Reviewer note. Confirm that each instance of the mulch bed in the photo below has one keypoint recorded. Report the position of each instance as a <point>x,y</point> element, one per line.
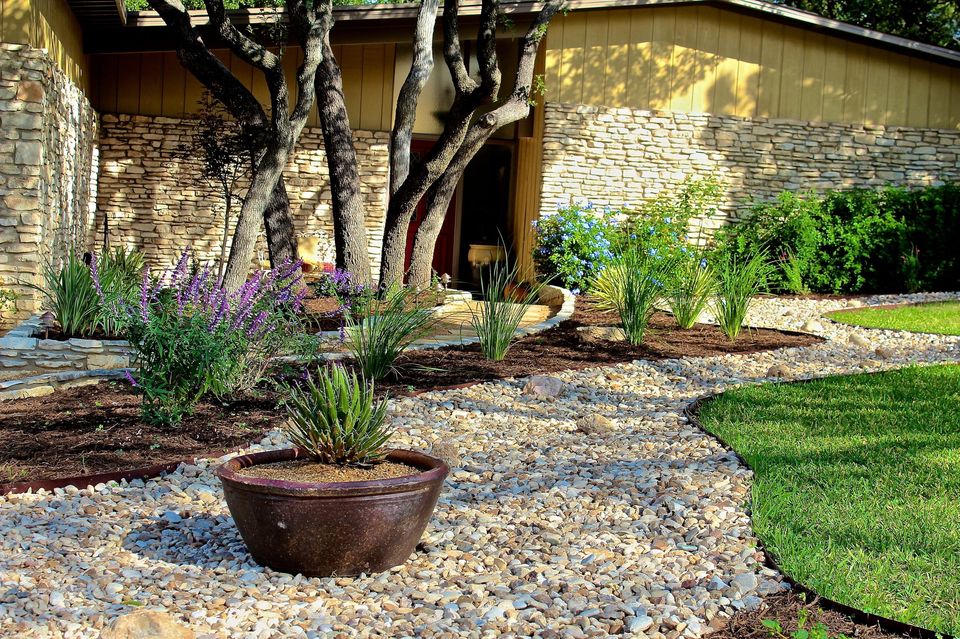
<point>97,429</point>
<point>563,348</point>
<point>786,608</point>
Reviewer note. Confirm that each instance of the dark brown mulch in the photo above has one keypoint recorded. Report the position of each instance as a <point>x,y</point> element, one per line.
<point>562,348</point>
<point>786,608</point>
<point>97,429</point>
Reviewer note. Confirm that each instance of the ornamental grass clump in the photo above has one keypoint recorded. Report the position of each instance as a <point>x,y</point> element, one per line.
<point>336,418</point>
<point>378,329</point>
<point>738,282</point>
<point>635,285</point>
<point>496,320</point>
<point>190,336</point>
<point>691,290</point>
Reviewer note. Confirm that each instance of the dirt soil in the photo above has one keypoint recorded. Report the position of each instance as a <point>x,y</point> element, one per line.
<point>308,471</point>
<point>563,347</point>
<point>786,608</point>
<point>97,429</point>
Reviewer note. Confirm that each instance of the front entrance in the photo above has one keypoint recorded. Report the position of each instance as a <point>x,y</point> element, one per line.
<point>443,251</point>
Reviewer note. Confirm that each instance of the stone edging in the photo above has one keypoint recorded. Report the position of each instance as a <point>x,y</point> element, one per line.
<point>24,354</point>
<point>45,384</point>
<point>692,413</point>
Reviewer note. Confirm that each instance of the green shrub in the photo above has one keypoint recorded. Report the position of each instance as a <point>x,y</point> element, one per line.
<point>738,282</point>
<point>635,283</point>
<point>497,319</point>
<point>7,297</point>
<point>574,244</point>
<point>690,291</point>
<point>663,224</point>
<point>378,329</point>
<point>336,418</point>
<point>887,240</point>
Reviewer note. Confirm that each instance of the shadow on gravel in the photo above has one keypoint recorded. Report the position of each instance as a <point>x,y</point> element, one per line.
<point>197,539</point>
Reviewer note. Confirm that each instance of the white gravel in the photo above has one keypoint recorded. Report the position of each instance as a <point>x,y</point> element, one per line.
<point>543,530</point>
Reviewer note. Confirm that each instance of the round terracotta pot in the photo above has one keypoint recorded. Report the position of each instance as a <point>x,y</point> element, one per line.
<point>337,528</point>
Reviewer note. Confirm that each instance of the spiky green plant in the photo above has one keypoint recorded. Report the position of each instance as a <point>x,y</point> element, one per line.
<point>606,286</point>
<point>792,268</point>
<point>496,320</point>
<point>72,296</point>
<point>691,290</point>
<point>738,282</point>
<point>636,283</point>
<point>335,417</point>
<point>378,329</point>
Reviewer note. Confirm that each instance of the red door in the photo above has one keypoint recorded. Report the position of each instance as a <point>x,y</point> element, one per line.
<point>443,252</point>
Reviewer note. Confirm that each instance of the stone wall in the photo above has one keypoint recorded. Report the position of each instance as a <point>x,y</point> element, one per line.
<point>622,157</point>
<point>150,197</point>
<point>47,158</point>
<point>24,352</point>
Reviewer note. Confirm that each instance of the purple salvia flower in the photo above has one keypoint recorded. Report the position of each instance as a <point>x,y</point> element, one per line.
<point>181,267</point>
<point>133,382</point>
<point>221,312</point>
<point>95,276</point>
<point>144,295</point>
<point>257,323</point>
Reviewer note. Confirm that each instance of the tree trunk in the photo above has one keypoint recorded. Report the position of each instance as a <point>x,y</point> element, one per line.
<point>278,222</point>
<point>349,223</point>
<point>425,240</point>
<point>261,191</point>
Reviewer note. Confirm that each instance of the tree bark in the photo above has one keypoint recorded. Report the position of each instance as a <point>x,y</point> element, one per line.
<point>515,107</point>
<point>278,223</point>
<point>349,219</point>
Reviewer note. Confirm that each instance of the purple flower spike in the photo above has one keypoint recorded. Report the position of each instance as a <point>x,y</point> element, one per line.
<point>130,378</point>
<point>95,275</point>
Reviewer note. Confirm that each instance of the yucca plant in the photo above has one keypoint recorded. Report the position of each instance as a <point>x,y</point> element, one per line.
<point>738,281</point>
<point>636,283</point>
<point>496,319</point>
<point>378,329</point>
<point>691,290</point>
<point>335,417</point>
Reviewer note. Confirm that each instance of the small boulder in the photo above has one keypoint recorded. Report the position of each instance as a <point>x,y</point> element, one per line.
<point>811,326</point>
<point>778,370</point>
<point>601,333</point>
<point>447,451</point>
<point>542,386</point>
<point>146,624</point>
<point>884,352</point>
<point>745,583</point>
<point>859,341</point>
<point>854,303</point>
<point>639,623</point>
<point>595,425</point>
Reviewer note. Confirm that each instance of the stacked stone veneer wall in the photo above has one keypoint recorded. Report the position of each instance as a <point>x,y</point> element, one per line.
<point>150,198</point>
<point>47,161</point>
<point>622,157</point>
<point>24,353</point>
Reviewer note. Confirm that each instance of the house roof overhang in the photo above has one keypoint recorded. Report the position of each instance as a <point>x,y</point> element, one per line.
<point>99,14</point>
<point>144,30</point>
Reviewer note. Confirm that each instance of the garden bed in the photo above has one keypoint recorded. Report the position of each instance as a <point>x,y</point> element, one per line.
<point>563,347</point>
<point>98,429</point>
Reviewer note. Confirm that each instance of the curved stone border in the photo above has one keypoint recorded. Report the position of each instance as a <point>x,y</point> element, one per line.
<point>40,385</point>
<point>692,413</point>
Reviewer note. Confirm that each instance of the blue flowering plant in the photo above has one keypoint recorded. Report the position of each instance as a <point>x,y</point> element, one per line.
<point>575,244</point>
<point>191,336</point>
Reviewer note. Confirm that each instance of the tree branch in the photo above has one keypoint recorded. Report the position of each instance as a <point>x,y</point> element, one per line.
<point>251,52</point>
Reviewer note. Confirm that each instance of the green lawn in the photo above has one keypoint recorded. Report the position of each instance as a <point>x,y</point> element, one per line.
<point>932,317</point>
<point>857,488</point>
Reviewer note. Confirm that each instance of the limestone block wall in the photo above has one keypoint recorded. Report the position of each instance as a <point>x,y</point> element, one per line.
<point>48,133</point>
<point>622,156</point>
<point>150,197</point>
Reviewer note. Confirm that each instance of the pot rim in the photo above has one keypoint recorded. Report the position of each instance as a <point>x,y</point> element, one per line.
<point>433,470</point>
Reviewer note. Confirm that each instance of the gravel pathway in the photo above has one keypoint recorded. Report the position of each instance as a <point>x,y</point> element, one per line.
<point>637,528</point>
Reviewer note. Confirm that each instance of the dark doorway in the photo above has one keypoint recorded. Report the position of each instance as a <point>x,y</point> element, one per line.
<point>485,211</point>
<point>443,251</point>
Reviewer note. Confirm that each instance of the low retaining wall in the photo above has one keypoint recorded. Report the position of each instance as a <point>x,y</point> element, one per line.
<point>23,354</point>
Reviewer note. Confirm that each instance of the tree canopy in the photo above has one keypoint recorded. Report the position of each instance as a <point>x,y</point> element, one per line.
<point>930,21</point>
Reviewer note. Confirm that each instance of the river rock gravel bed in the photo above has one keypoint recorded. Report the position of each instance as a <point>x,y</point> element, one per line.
<point>635,526</point>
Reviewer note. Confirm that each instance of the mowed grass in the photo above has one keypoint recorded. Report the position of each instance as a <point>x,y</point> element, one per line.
<point>932,317</point>
<point>857,487</point>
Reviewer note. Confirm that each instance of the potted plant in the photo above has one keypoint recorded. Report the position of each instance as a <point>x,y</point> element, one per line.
<point>339,503</point>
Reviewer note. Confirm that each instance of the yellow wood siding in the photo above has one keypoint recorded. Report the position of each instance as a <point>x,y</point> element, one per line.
<point>703,59</point>
<point>50,25</point>
<point>171,91</point>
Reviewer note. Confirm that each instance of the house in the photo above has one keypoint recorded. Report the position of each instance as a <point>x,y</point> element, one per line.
<point>638,95</point>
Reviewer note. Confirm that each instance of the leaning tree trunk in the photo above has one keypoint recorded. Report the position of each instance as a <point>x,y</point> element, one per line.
<point>425,240</point>
<point>278,222</point>
<point>349,227</point>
